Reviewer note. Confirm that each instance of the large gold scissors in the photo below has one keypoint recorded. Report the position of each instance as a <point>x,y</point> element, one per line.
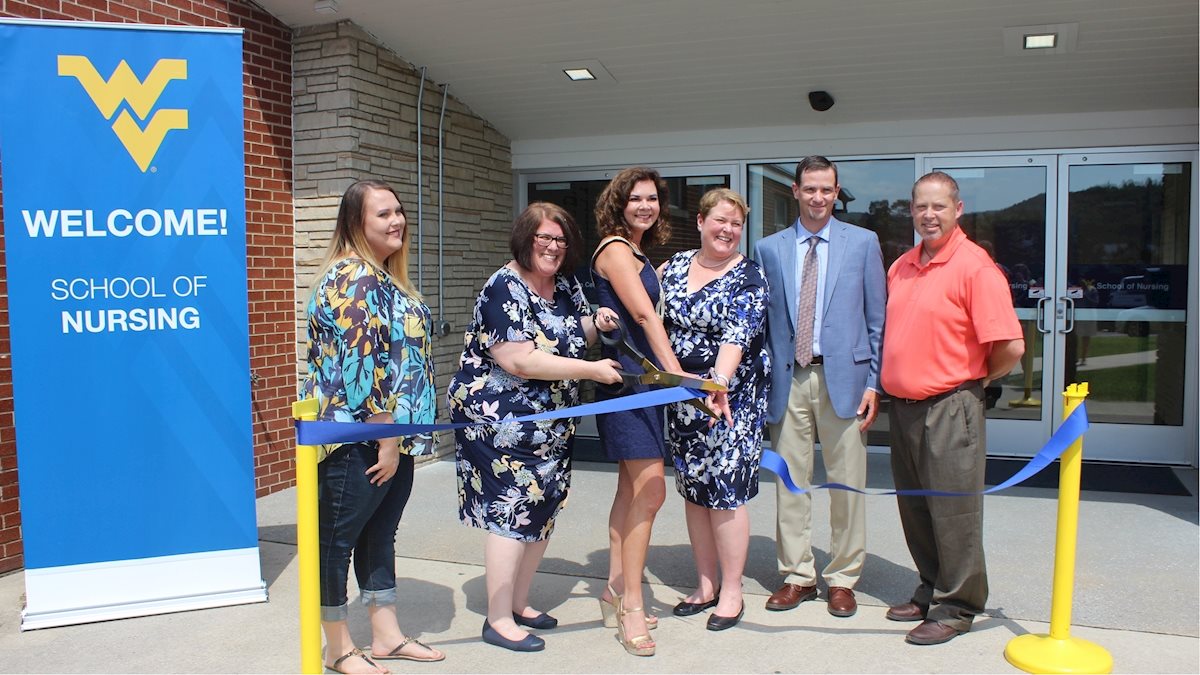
<point>652,375</point>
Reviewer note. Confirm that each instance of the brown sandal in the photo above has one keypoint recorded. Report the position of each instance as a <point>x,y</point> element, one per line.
<point>353,652</point>
<point>396,655</point>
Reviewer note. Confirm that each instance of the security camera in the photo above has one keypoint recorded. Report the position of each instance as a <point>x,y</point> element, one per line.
<point>820,100</point>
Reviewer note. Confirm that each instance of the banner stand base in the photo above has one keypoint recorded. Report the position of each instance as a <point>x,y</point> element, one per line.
<point>74,594</point>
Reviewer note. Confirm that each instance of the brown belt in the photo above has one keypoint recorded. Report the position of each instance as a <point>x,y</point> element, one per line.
<point>965,386</point>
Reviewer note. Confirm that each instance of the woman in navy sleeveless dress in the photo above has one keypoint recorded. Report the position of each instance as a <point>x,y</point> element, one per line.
<point>630,213</point>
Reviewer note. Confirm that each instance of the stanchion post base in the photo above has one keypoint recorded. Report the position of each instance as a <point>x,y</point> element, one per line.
<point>1040,653</point>
<point>1025,403</point>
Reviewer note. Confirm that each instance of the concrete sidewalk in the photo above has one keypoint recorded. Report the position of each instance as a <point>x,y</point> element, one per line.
<point>1137,593</point>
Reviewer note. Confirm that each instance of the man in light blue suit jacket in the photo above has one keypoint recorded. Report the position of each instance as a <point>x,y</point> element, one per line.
<point>825,385</point>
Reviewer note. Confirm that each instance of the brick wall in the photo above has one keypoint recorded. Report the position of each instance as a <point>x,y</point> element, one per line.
<point>267,82</point>
<point>355,117</point>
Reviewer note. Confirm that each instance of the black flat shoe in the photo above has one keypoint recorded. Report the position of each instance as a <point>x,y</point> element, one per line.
<point>542,621</point>
<point>531,643</point>
<point>717,622</point>
<point>692,608</point>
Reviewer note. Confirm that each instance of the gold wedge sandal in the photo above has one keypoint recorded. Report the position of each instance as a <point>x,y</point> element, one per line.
<point>608,610</point>
<point>637,645</point>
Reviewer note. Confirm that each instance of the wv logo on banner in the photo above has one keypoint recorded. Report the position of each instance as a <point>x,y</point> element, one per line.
<point>140,95</point>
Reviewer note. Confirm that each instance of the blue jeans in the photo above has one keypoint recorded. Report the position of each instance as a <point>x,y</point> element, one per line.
<point>358,517</point>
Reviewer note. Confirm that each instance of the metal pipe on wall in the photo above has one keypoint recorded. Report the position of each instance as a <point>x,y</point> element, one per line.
<point>443,326</point>
<point>420,191</point>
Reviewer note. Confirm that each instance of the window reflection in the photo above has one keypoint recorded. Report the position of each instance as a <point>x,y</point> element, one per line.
<point>875,194</point>
<point>1127,268</point>
<point>1004,211</point>
<point>579,197</point>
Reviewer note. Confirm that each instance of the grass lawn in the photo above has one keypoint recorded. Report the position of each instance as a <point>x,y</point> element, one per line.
<point>1109,344</point>
<point>1128,383</point>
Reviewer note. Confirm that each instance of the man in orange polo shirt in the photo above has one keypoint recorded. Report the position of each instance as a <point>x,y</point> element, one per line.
<point>950,331</point>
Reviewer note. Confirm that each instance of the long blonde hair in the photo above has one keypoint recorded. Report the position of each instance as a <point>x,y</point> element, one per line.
<point>349,238</point>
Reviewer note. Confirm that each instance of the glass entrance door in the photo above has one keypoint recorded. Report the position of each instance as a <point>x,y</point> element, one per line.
<point>1009,204</point>
<point>577,192</point>
<point>1097,249</point>
<point>1126,289</point>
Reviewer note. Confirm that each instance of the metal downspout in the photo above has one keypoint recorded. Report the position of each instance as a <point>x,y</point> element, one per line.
<point>443,326</point>
<point>420,192</point>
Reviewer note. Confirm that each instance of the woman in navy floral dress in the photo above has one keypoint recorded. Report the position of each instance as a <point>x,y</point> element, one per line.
<point>523,355</point>
<point>369,360</point>
<point>715,303</point>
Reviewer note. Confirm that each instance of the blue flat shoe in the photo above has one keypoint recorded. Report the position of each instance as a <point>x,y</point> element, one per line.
<point>542,621</point>
<point>531,643</point>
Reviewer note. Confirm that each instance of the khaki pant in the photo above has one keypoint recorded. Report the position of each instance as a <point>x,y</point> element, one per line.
<point>809,417</point>
<point>941,445</point>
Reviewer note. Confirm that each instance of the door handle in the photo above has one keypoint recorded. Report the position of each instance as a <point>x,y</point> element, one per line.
<point>1041,315</point>
<point>1068,314</point>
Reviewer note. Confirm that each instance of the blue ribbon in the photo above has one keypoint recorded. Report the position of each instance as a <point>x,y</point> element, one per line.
<point>325,433</point>
<point>1068,432</point>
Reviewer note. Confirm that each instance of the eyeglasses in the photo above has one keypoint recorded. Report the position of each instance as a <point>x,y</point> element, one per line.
<point>545,239</point>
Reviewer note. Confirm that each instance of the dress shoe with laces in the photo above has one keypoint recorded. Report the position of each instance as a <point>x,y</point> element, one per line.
<point>931,632</point>
<point>718,622</point>
<point>789,596</point>
<point>686,608</point>
<point>841,601</point>
<point>909,611</point>
<point>542,621</point>
<point>531,643</point>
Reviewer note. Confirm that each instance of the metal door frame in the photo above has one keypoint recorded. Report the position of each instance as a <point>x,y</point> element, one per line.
<point>1141,443</point>
<point>1009,437</point>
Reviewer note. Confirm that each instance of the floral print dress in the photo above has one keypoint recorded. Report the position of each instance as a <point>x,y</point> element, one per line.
<point>369,352</point>
<point>513,477</point>
<point>717,467</point>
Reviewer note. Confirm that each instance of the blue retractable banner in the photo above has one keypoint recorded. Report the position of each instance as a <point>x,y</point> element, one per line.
<point>124,227</point>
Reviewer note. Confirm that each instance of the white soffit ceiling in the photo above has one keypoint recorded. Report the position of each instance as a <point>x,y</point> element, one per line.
<point>711,64</point>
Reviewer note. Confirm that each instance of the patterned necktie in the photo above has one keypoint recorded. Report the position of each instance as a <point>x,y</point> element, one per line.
<point>807,311</point>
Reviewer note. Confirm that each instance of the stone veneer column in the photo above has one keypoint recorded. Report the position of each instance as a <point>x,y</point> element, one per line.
<point>355,117</point>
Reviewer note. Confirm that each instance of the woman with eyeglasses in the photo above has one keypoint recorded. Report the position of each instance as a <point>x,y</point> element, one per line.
<point>631,214</point>
<point>523,355</point>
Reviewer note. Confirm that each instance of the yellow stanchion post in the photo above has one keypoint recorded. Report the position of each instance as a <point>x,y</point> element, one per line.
<point>1058,652</point>
<point>308,546</point>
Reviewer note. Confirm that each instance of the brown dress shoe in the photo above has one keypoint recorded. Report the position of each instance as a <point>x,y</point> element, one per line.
<point>841,601</point>
<point>789,596</point>
<point>931,632</point>
<point>909,611</point>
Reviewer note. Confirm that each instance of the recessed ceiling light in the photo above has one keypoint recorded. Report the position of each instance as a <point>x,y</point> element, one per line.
<point>579,74</point>
<point>1041,41</point>
<point>578,70</point>
<point>325,7</point>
